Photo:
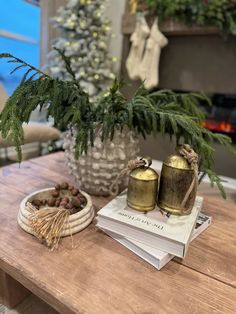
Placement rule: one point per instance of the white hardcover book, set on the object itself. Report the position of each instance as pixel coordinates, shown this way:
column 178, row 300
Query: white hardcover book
column 203, row 222
column 153, row 256
column 171, row 235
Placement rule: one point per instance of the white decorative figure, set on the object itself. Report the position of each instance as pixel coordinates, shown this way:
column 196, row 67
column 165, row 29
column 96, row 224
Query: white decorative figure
column 149, row 67
column 138, row 39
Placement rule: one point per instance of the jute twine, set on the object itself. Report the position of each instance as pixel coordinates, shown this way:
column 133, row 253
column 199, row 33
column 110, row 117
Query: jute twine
column 133, row 5
column 189, row 154
column 132, row 164
column 48, row 224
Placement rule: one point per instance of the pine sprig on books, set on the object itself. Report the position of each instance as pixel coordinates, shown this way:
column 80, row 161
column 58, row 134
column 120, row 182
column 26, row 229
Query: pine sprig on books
column 164, row 112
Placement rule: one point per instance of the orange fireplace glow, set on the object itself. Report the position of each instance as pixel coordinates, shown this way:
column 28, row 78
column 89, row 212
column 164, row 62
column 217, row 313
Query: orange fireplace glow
column 219, row 126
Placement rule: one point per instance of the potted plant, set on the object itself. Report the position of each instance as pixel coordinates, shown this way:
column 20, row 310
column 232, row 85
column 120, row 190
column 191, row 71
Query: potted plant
column 112, row 119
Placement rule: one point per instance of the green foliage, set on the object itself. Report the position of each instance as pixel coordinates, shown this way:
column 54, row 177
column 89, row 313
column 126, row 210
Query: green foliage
column 164, row 112
column 215, row 180
column 65, row 101
column 220, row 13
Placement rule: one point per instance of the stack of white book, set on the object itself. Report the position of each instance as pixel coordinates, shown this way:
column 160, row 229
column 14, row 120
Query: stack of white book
column 153, row 236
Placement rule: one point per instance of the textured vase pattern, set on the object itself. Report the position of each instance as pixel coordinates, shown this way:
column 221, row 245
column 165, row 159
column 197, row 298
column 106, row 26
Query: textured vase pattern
column 96, row 171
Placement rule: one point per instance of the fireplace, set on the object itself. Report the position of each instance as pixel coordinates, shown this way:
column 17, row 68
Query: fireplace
column 196, row 63
column 221, row 117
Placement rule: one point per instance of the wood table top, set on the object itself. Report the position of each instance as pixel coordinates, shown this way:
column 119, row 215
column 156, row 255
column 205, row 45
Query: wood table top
column 100, row 275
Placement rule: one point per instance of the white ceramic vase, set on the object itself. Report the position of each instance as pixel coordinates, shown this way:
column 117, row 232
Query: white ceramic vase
column 97, row 170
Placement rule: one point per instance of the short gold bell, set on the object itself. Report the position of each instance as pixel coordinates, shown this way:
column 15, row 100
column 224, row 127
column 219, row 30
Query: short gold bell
column 142, row 187
column 176, row 178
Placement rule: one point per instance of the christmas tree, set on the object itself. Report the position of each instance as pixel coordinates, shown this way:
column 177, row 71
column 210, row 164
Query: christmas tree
column 84, row 37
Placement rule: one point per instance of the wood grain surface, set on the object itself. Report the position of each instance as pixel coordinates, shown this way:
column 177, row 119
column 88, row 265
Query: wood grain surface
column 11, row 291
column 214, row 252
column 101, row 276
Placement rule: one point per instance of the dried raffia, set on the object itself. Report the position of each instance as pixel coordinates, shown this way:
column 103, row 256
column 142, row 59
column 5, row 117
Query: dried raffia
column 48, row 223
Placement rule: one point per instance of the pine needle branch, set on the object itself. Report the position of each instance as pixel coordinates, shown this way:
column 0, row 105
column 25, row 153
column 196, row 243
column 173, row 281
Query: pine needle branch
column 163, row 112
column 215, row 180
column 67, row 62
column 22, row 63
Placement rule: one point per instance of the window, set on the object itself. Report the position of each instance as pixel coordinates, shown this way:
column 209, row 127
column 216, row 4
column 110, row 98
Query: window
column 19, row 35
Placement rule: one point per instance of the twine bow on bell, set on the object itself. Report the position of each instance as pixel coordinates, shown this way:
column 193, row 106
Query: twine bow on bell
column 192, row 157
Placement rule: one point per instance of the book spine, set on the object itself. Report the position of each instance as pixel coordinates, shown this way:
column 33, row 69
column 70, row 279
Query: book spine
column 204, row 226
column 198, row 203
column 158, row 261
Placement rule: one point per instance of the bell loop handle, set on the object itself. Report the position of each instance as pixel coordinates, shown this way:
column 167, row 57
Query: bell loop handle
column 147, row 160
column 132, row 164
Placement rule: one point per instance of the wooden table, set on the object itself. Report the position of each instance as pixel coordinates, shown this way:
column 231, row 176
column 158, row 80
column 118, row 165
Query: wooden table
column 102, row 276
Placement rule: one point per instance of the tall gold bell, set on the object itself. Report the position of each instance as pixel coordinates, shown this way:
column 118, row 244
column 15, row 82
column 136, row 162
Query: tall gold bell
column 142, row 188
column 175, row 180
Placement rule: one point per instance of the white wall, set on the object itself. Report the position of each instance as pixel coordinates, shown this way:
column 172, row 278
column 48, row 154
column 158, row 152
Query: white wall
column 115, row 11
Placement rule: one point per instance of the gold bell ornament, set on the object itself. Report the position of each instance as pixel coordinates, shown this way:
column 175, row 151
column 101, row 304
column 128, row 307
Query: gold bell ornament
column 179, row 181
column 142, row 186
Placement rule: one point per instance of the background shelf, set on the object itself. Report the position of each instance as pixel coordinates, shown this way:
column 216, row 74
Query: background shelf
column 169, row 28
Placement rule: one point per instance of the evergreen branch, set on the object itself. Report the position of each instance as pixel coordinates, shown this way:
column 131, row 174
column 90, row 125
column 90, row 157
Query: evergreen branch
column 163, row 112
column 21, row 62
column 32, row 76
column 67, row 62
column 215, row 180
column 25, row 76
column 202, row 176
column 220, row 13
column 18, row 67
